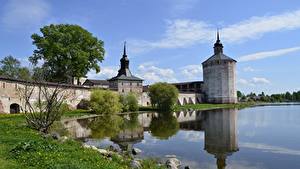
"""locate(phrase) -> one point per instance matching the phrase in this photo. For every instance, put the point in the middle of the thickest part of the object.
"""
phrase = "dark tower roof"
(124, 71)
(218, 52)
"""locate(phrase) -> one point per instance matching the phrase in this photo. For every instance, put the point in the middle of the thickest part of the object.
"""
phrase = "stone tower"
(125, 82)
(219, 76)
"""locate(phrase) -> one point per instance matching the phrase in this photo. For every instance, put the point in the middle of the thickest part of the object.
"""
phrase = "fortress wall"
(11, 93)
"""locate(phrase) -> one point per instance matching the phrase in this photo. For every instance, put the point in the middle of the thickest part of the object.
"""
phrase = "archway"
(14, 108)
(184, 101)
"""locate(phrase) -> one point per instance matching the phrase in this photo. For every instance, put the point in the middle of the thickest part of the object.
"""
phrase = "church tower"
(125, 82)
(219, 76)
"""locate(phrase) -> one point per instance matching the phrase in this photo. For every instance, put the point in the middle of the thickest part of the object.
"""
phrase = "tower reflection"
(220, 134)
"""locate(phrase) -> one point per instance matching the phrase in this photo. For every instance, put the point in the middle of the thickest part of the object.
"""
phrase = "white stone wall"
(10, 93)
(219, 82)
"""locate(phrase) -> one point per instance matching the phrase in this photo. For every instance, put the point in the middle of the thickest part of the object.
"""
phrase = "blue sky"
(169, 39)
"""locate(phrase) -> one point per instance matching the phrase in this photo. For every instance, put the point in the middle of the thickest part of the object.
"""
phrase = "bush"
(105, 102)
(129, 103)
(163, 96)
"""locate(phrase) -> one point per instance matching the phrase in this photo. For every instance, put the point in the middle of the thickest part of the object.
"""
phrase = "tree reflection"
(106, 126)
(164, 126)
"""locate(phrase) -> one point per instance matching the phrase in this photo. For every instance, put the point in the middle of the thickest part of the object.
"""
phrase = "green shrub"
(163, 96)
(105, 102)
(129, 103)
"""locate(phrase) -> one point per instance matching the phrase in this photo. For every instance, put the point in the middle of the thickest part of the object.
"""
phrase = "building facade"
(219, 77)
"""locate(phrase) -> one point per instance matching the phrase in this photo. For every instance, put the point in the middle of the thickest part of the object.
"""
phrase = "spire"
(218, 47)
(124, 52)
(218, 36)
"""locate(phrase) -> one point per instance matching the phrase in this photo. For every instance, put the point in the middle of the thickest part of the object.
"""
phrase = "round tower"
(219, 76)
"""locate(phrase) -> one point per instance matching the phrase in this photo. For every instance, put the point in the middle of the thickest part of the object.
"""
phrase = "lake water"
(252, 138)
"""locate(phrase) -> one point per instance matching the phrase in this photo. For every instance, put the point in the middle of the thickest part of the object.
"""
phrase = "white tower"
(219, 76)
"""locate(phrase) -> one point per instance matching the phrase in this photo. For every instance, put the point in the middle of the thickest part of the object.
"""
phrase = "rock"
(135, 164)
(86, 146)
(63, 138)
(112, 148)
(173, 163)
(186, 167)
(170, 156)
(55, 136)
(94, 148)
(136, 151)
(103, 152)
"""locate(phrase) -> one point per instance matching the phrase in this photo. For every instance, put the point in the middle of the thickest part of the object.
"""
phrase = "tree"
(163, 96)
(67, 51)
(11, 67)
(105, 102)
(129, 102)
(47, 108)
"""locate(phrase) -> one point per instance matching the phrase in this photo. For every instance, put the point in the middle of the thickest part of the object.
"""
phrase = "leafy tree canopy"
(11, 67)
(105, 102)
(66, 51)
(163, 96)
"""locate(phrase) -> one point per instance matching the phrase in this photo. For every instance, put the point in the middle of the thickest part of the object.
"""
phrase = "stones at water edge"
(172, 162)
(135, 164)
(55, 135)
(136, 151)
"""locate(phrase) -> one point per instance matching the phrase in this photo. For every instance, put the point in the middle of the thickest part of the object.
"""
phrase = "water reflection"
(220, 134)
(219, 127)
(164, 126)
(131, 132)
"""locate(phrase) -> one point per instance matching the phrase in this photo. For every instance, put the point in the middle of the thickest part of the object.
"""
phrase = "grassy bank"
(204, 106)
(22, 147)
(213, 106)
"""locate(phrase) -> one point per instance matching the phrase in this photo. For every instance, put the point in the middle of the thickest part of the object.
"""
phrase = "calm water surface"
(253, 138)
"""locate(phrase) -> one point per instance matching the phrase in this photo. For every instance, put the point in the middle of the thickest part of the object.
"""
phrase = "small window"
(16, 86)
(3, 85)
(130, 83)
(122, 83)
(122, 90)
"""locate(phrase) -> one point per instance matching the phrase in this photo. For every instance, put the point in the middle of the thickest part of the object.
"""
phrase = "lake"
(264, 137)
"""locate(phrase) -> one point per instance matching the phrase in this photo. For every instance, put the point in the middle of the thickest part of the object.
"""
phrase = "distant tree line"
(283, 97)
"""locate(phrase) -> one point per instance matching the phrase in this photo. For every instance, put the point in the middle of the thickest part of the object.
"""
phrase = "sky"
(167, 40)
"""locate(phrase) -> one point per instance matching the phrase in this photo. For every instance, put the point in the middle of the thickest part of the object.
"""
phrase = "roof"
(96, 82)
(124, 77)
(4, 78)
(182, 83)
(219, 56)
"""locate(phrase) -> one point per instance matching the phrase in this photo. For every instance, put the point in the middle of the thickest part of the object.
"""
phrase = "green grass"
(213, 106)
(203, 106)
(22, 147)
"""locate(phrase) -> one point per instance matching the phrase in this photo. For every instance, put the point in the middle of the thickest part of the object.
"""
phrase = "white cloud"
(260, 80)
(267, 54)
(151, 73)
(254, 81)
(185, 32)
(270, 148)
(248, 69)
(22, 14)
(106, 72)
(192, 72)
